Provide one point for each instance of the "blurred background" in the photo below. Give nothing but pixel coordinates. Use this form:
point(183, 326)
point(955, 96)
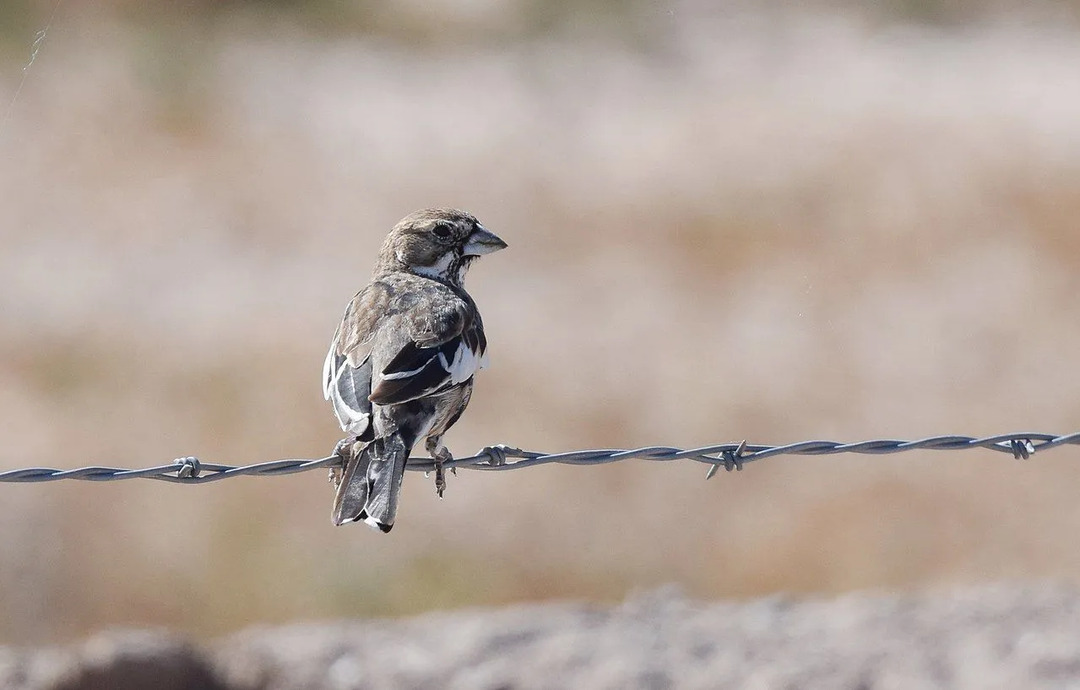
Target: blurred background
point(726, 221)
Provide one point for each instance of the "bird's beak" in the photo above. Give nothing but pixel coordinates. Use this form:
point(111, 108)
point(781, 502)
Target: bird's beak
point(481, 242)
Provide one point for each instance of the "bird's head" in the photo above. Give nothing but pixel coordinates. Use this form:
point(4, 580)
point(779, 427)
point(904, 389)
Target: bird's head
point(437, 243)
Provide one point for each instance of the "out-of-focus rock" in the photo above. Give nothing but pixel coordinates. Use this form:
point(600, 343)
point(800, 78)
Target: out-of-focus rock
point(1002, 637)
point(114, 660)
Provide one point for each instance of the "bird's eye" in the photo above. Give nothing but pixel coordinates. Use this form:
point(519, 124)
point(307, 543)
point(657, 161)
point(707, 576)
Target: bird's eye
point(442, 231)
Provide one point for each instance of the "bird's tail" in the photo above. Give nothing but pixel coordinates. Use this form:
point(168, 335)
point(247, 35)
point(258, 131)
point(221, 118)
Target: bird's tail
point(371, 483)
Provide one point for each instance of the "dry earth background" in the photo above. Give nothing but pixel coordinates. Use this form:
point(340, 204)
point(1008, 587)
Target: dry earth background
point(726, 221)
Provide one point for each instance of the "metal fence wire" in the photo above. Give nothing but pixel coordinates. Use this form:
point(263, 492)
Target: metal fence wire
point(730, 456)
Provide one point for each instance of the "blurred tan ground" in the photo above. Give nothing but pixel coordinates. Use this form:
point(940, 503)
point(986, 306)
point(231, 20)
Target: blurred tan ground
point(750, 223)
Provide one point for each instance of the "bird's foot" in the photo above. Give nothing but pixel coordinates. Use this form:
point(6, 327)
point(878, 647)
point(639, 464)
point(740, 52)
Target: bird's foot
point(440, 478)
point(344, 450)
point(441, 455)
point(498, 453)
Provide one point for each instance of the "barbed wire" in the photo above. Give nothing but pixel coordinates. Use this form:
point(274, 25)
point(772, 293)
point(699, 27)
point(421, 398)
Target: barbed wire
point(730, 456)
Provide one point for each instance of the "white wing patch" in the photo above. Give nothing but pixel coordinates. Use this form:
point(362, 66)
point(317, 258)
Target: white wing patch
point(407, 374)
point(328, 371)
point(351, 420)
point(356, 422)
point(466, 363)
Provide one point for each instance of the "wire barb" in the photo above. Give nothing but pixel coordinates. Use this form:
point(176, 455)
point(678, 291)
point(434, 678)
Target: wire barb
point(730, 456)
point(188, 467)
point(1021, 448)
point(733, 460)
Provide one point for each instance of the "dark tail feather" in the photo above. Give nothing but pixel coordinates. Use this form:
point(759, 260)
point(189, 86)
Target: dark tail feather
point(372, 481)
point(352, 492)
point(385, 472)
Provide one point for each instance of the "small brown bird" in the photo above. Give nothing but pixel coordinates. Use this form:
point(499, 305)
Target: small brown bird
point(401, 365)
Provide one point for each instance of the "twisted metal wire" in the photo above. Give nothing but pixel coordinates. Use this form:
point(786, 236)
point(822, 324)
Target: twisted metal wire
point(730, 456)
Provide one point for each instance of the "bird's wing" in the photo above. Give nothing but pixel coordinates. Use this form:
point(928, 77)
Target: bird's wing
point(437, 343)
point(347, 369)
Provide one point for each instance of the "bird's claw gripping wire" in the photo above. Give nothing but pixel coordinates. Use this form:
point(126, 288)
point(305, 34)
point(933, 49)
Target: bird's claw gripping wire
point(187, 467)
point(343, 450)
point(498, 454)
point(441, 455)
point(733, 460)
point(440, 479)
point(440, 471)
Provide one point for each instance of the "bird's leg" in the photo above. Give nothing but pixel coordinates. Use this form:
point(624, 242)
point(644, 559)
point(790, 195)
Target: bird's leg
point(344, 449)
point(440, 454)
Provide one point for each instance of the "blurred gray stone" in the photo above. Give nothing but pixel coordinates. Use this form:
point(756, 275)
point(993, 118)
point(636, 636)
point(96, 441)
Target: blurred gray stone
point(113, 660)
point(1001, 637)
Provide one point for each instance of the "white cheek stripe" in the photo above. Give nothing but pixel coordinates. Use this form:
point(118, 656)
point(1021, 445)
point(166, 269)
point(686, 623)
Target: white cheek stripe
point(438, 269)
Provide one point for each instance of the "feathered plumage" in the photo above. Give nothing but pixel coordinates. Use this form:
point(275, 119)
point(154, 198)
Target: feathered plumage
point(401, 365)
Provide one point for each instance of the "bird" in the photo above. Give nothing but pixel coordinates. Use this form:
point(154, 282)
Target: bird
point(401, 363)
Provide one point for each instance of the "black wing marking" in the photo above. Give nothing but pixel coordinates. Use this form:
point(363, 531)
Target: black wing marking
point(403, 338)
point(416, 372)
